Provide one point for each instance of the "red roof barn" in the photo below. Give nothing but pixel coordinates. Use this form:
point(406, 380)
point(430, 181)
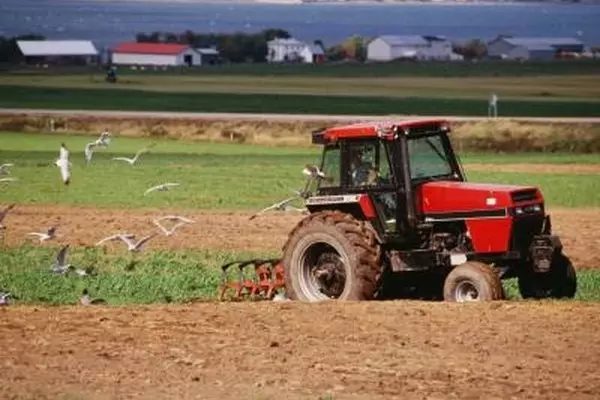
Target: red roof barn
point(161, 54)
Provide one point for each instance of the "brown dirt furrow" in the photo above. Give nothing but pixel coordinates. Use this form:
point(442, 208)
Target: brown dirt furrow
point(545, 350)
point(536, 168)
point(231, 230)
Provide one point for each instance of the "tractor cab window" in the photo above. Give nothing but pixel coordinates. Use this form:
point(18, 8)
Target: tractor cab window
point(331, 167)
point(368, 164)
point(428, 158)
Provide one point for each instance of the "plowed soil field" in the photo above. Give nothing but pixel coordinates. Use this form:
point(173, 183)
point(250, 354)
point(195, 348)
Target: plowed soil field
point(267, 350)
point(231, 230)
point(372, 350)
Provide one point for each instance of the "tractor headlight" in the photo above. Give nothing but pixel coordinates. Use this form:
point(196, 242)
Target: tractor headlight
point(519, 211)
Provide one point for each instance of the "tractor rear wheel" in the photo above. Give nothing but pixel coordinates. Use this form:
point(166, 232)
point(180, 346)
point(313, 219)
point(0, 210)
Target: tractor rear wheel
point(559, 282)
point(473, 281)
point(332, 255)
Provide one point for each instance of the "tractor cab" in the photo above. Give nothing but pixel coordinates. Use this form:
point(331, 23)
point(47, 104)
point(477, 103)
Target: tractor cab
point(386, 163)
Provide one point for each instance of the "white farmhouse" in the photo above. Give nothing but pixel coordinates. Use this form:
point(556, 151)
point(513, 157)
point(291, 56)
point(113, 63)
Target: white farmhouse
point(391, 47)
point(158, 54)
point(289, 50)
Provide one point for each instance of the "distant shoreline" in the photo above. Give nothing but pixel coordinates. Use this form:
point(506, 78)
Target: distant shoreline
point(363, 2)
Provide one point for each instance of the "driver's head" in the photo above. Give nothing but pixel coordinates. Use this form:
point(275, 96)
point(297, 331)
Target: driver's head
point(356, 156)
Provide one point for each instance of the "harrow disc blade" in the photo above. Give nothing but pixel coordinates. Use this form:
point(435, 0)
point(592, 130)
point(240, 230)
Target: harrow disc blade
point(263, 281)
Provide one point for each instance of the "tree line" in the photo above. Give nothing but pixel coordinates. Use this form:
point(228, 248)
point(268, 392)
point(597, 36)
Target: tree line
point(243, 47)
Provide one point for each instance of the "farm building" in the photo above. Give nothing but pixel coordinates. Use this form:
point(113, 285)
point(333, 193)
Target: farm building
point(391, 47)
point(533, 48)
point(208, 55)
point(293, 50)
point(156, 54)
point(58, 51)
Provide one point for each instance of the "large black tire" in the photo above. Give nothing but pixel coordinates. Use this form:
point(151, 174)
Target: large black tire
point(332, 255)
point(559, 282)
point(473, 281)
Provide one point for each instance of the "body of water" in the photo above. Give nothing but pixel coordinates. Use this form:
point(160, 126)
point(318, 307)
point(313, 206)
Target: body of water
point(107, 23)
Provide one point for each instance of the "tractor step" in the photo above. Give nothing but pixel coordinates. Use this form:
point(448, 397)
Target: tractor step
point(263, 283)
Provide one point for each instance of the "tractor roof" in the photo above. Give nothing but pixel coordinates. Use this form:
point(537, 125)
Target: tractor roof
point(374, 129)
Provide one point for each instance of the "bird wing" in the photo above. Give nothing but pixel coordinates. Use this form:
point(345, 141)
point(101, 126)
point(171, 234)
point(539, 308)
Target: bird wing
point(162, 228)
point(152, 189)
point(37, 234)
point(61, 258)
point(6, 165)
point(64, 171)
point(5, 211)
point(170, 184)
point(109, 238)
point(175, 218)
point(129, 160)
point(8, 179)
point(144, 240)
point(64, 153)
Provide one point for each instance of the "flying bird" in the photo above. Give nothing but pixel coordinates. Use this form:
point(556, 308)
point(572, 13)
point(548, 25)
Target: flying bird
point(169, 232)
point(49, 234)
point(104, 139)
point(137, 155)
point(89, 152)
point(161, 188)
point(128, 240)
point(64, 164)
point(4, 169)
point(313, 171)
point(60, 265)
point(280, 206)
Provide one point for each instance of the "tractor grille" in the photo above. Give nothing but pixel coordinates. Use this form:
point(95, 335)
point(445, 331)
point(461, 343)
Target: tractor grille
point(524, 228)
point(523, 195)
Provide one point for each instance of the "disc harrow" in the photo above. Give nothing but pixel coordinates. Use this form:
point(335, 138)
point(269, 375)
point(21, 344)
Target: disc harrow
point(262, 283)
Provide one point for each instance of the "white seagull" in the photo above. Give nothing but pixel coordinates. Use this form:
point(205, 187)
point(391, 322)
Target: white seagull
point(104, 139)
point(280, 206)
point(161, 188)
point(89, 152)
point(4, 169)
point(135, 158)
point(313, 171)
point(127, 239)
point(169, 232)
point(64, 164)
point(60, 265)
point(49, 234)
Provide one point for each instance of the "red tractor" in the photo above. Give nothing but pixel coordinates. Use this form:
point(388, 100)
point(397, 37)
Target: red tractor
point(391, 214)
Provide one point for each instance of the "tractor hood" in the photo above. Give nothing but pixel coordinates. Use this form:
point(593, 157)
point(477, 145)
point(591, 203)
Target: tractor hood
point(441, 197)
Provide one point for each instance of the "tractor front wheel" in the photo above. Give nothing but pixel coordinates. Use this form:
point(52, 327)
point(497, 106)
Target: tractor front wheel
point(331, 255)
point(473, 281)
point(559, 282)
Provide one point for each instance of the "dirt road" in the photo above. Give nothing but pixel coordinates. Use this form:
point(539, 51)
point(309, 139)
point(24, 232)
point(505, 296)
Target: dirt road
point(276, 117)
point(231, 230)
point(374, 350)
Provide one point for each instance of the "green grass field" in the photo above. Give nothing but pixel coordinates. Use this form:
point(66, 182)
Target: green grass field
point(213, 176)
point(216, 176)
point(144, 100)
point(160, 277)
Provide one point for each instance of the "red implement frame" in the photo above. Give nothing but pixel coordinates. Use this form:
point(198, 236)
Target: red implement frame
point(267, 280)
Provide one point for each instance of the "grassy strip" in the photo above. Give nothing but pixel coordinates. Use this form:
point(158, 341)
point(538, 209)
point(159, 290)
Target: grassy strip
point(158, 277)
point(543, 88)
point(139, 100)
point(425, 69)
point(212, 176)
